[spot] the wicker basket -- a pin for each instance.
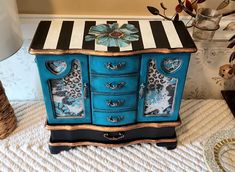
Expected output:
(7, 116)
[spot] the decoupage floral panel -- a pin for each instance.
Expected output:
(160, 92)
(67, 96)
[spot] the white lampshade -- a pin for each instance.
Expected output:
(10, 32)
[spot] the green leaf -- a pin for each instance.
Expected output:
(153, 10)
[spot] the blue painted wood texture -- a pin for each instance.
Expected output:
(118, 87)
(114, 65)
(46, 75)
(114, 102)
(179, 74)
(114, 84)
(115, 118)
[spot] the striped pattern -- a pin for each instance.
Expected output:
(70, 35)
(27, 150)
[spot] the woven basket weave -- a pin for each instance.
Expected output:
(7, 115)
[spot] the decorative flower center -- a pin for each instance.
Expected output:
(116, 34)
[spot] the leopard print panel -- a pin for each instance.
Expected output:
(67, 93)
(160, 92)
(155, 79)
(74, 81)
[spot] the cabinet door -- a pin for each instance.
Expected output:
(162, 79)
(65, 85)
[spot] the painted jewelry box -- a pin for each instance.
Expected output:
(112, 83)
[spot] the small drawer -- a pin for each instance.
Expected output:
(114, 118)
(114, 102)
(114, 84)
(114, 65)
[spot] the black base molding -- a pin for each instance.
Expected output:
(57, 149)
(61, 140)
(229, 97)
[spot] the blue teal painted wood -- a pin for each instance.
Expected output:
(113, 102)
(114, 118)
(179, 75)
(115, 84)
(117, 88)
(46, 75)
(114, 65)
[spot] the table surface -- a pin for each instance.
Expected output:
(111, 38)
(26, 149)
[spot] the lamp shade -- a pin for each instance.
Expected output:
(10, 32)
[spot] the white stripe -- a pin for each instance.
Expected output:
(53, 35)
(146, 33)
(77, 34)
(99, 47)
(129, 47)
(172, 34)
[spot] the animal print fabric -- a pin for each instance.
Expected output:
(67, 93)
(159, 99)
(68, 99)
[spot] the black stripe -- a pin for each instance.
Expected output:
(113, 49)
(65, 35)
(184, 35)
(40, 35)
(137, 45)
(88, 44)
(159, 34)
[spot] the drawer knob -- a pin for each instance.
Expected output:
(115, 86)
(118, 137)
(115, 67)
(115, 119)
(117, 103)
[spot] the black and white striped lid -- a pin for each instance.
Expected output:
(67, 37)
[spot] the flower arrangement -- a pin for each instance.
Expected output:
(188, 6)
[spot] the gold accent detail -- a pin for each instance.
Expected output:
(112, 129)
(217, 149)
(103, 53)
(74, 144)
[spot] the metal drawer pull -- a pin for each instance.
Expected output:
(117, 103)
(118, 137)
(85, 90)
(115, 67)
(142, 91)
(115, 119)
(115, 86)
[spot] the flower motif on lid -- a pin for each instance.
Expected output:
(111, 35)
